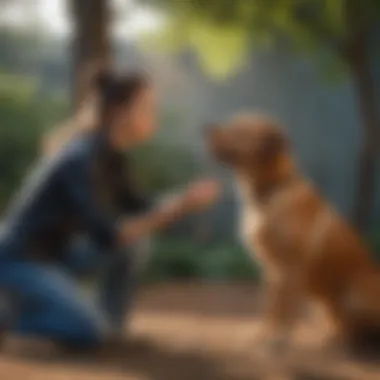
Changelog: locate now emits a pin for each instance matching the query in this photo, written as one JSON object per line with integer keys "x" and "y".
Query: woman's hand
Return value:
{"x": 197, "y": 197}
{"x": 201, "y": 195}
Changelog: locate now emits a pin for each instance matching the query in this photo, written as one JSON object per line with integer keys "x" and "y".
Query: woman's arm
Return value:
{"x": 199, "y": 196}
{"x": 107, "y": 231}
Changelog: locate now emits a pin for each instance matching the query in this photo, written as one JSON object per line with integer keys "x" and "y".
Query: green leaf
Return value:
{"x": 312, "y": 27}
{"x": 221, "y": 51}
{"x": 335, "y": 16}
{"x": 171, "y": 38}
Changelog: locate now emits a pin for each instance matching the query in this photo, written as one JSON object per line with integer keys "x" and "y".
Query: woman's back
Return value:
{"x": 64, "y": 196}
{"x": 43, "y": 216}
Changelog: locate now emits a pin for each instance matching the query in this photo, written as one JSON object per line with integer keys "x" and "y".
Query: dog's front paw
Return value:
{"x": 274, "y": 344}
{"x": 265, "y": 340}
{"x": 279, "y": 344}
{"x": 257, "y": 335}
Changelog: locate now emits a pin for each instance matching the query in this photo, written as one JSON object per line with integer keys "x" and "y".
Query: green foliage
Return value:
{"x": 23, "y": 120}
{"x": 166, "y": 161}
{"x": 176, "y": 258}
{"x": 221, "y": 31}
{"x": 162, "y": 167}
{"x": 206, "y": 38}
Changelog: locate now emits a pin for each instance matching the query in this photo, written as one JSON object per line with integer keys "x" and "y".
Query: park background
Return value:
{"x": 313, "y": 64}
{"x": 308, "y": 63}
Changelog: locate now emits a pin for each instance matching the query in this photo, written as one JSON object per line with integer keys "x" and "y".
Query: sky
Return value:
{"x": 52, "y": 15}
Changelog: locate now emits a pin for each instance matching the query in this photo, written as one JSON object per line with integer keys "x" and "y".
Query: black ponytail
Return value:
{"x": 117, "y": 90}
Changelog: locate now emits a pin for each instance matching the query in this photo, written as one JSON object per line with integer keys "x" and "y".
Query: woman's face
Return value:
{"x": 136, "y": 123}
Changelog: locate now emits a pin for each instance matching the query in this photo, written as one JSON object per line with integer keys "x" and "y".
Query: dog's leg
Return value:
{"x": 285, "y": 298}
{"x": 338, "y": 325}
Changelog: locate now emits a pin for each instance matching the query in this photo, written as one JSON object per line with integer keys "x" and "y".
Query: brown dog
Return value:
{"x": 306, "y": 249}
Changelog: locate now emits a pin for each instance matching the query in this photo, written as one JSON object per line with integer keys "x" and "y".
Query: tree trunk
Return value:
{"x": 360, "y": 23}
{"x": 91, "y": 46}
{"x": 364, "y": 85}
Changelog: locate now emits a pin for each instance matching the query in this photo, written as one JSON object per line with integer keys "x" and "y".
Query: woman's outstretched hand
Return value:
{"x": 201, "y": 195}
{"x": 197, "y": 197}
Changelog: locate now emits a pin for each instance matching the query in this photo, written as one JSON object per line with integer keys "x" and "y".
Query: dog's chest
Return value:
{"x": 257, "y": 231}
{"x": 252, "y": 221}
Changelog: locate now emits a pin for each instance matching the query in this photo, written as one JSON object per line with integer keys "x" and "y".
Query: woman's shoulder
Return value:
{"x": 79, "y": 148}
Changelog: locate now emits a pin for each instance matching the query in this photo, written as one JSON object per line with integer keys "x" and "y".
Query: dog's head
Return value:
{"x": 249, "y": 143}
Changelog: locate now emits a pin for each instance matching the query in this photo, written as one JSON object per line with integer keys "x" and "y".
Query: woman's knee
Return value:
{"x": 87, "y": 337}
{"x": 81, "y": 329}
{"x": 86, "y": 326}
{"x": 63, "y": 321}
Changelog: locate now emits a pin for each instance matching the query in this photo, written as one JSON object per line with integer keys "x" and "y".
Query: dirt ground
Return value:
{"x": 191, "y": 332}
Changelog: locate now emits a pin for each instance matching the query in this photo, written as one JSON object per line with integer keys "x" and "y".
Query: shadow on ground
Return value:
{"x": 217, "y": 300}
{"x": 135, "y": 361}
{"x": 188, "y": 332}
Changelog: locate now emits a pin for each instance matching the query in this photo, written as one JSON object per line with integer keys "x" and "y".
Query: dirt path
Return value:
{"x": 193, "y": 332}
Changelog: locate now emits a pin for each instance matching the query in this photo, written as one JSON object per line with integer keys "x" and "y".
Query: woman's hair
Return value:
{"x": 109, "y": 91}
{"x": 117, "y": 90}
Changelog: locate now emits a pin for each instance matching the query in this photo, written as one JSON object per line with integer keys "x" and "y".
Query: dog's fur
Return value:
{"x": 306, "y": 249}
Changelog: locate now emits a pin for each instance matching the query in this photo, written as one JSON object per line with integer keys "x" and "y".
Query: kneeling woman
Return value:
{"x": 84, "y": 190}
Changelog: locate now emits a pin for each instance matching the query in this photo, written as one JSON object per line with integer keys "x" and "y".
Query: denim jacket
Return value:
{"x": 82, "y": 190}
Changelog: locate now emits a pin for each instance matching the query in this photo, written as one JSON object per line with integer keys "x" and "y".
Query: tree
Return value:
{"x": 332, "y": 31}
{"x": 91, "y": 42}
{"x": 91, "y": 50}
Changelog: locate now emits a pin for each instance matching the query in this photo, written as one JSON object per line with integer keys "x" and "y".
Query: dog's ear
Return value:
{"x": 272, "y": 144}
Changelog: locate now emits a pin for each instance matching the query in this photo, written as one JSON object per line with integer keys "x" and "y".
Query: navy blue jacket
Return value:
{"x": 82, "y": 190}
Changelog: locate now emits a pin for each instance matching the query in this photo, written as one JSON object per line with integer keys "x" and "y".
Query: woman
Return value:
{"x": 84, "y": 189}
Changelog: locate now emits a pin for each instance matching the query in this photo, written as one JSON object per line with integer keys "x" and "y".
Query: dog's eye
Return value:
{"x": 271, "y": 145}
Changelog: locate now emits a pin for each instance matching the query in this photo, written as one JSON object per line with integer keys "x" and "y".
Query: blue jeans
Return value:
{"x": 47, "y": 299}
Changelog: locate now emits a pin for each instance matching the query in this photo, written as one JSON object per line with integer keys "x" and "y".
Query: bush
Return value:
{"x": 184, "y": 259}
{"x": 24, "y": 118}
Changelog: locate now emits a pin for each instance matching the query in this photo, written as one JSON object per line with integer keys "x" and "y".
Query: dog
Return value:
{"x": 307, "y": 251}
